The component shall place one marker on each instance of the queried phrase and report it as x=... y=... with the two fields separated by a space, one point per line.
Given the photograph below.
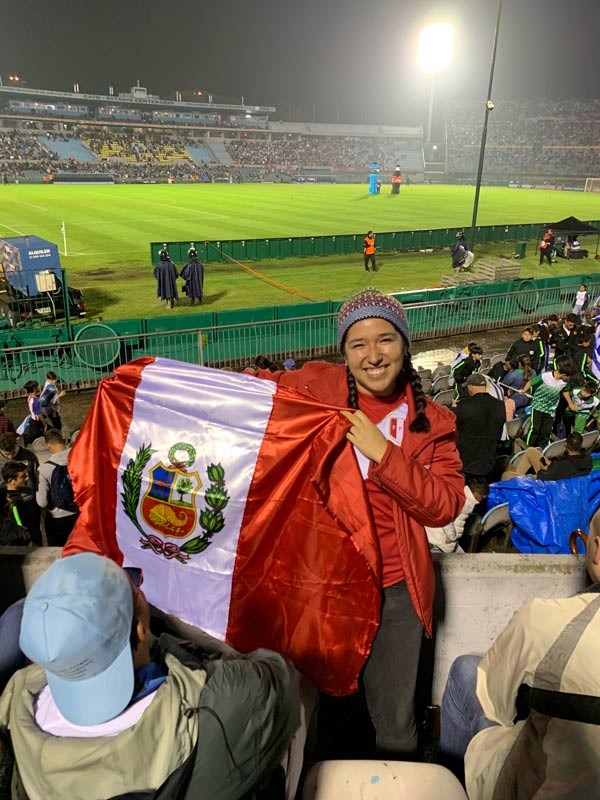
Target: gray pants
x=390 y=674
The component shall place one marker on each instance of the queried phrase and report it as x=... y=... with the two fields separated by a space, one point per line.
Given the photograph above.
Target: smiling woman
x=406 y=450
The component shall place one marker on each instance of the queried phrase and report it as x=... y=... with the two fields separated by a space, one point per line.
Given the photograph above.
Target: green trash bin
x=520 y=249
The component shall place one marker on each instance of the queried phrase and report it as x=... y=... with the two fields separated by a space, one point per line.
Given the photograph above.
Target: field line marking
x=25 y=203
x=20 y=233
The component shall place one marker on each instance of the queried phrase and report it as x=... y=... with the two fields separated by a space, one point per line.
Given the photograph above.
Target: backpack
x=61 y=489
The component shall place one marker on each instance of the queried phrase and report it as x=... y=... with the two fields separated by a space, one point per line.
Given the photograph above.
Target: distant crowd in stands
x=153 y=155
x=540 y=137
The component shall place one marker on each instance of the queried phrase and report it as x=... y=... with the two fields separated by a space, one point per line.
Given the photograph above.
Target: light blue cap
x=76 y=625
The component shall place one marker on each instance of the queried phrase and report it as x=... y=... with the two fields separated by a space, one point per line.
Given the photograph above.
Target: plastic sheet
x=545 y=512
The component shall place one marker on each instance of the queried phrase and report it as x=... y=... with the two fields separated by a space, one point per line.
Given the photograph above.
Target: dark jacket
x=567 y=466
x=564 y=344
x=522 y=348
x=479 y=423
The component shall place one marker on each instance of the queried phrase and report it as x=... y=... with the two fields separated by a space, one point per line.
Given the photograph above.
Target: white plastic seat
x=444 y=398
x=555 y=449
x=589 y=440
x=380 y=780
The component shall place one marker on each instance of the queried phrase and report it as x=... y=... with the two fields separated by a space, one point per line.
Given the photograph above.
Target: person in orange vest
x=369 y=251
x=547 y=246
x=396 y=180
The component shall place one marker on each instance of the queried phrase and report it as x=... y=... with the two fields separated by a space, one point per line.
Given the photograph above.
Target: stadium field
x=109 y=229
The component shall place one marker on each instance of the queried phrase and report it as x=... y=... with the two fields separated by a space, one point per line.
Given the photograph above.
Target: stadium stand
x=220 y=153
x=67 y=148
x=200 y=153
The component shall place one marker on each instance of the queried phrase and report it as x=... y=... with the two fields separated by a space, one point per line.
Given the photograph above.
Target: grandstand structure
x=137 y=137
x=554 y=143
x=141 y=137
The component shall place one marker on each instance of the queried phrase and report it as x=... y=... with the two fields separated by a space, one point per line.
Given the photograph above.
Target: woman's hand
x=365 y=436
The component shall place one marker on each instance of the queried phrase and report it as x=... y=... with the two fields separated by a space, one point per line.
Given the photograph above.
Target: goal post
x=592 y=185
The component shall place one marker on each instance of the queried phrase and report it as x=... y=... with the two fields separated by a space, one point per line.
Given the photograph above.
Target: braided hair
x=420 y=424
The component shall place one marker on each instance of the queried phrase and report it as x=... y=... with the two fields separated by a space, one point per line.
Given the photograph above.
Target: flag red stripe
x=99 y=446
x=307 y=540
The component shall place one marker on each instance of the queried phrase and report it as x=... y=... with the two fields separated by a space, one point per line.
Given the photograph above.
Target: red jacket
x=423 y=475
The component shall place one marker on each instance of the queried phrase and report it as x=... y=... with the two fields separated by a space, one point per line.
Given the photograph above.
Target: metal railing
x=84 y=363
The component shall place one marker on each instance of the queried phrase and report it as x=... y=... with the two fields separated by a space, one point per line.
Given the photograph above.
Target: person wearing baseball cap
x=406 y=450
x=104 y=711
x=480 y=421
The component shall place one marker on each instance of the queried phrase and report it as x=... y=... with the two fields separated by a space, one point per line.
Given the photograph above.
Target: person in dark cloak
x=166 y=275
x=193 y=275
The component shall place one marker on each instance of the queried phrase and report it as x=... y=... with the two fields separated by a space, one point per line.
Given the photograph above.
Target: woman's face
x=374 y=351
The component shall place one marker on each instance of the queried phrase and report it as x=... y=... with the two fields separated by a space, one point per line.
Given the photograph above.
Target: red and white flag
x=244 y=505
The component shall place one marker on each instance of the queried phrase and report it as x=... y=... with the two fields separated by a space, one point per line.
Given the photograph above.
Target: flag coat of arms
x=243 y=503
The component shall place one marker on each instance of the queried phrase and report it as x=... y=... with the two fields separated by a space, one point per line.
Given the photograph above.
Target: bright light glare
x=436 y=45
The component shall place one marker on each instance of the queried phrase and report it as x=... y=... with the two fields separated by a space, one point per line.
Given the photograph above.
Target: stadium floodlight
x=434 y=52
x=435 y=47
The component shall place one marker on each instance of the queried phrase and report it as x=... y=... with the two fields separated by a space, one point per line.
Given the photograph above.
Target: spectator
x=480 y=421
x=54 y=491
x=10 y=450
x=547 y=390
x=50 y=401
x=582 y=300
x=573 y=463
x=154 y=712
x=465 y=363
x=445 y=540
x=584 y=398
x=33 y=426
x=20 y=499
x=6 y=424
x=520 y=716
x=562 y=338
x=525 y=346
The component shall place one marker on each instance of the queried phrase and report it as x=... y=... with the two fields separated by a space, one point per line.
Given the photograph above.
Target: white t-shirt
x=51 y=721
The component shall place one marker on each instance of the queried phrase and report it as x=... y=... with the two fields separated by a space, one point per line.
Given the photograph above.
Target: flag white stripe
x=201 y=408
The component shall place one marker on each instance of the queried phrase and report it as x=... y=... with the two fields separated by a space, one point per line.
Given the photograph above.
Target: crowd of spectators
x=544 y=138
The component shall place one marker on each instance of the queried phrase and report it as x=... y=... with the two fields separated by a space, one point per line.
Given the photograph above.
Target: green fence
x=300 y=246
x=233 y=339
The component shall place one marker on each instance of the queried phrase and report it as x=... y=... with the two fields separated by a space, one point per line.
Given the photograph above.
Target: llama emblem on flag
x=168 y=506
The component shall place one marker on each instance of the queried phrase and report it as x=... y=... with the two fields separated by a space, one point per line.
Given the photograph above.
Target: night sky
x=343 y=60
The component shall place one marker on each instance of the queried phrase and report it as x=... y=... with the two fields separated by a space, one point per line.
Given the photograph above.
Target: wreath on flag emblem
x=211 y=518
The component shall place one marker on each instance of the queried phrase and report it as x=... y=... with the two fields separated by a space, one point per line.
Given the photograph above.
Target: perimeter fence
x=91 y=357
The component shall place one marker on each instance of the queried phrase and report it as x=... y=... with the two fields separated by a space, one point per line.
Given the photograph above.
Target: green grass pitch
x=109 y=229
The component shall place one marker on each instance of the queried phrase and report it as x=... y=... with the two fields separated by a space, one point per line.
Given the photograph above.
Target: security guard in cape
x=369 y=251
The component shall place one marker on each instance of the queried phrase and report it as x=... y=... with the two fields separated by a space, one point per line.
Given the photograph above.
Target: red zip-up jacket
x=422 y=475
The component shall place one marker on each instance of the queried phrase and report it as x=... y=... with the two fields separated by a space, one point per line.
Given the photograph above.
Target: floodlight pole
x=484 y=132
x=430 y=115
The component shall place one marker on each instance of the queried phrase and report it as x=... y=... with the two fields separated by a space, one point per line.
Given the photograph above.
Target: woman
x=406 y=450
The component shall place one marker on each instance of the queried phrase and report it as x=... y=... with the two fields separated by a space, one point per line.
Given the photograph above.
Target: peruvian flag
x=244 y=505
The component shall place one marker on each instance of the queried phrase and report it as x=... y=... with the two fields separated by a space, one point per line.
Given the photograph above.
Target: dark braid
x=421 y=423
x=352 y=390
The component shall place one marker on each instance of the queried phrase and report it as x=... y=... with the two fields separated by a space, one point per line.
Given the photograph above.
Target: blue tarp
x=545 y=512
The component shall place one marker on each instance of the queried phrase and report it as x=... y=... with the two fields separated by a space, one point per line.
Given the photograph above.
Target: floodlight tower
x=434 y=53
x=489 y=106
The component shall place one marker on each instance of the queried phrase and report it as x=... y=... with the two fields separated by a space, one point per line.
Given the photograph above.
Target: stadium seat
x=427 y=385
x=444 y=398
x=513 y=427
x=441 y=383
x=424 y=373
x=590 y=439
x=380 y=780
x=442 y=369
x=555 y=449
x=496 y=524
